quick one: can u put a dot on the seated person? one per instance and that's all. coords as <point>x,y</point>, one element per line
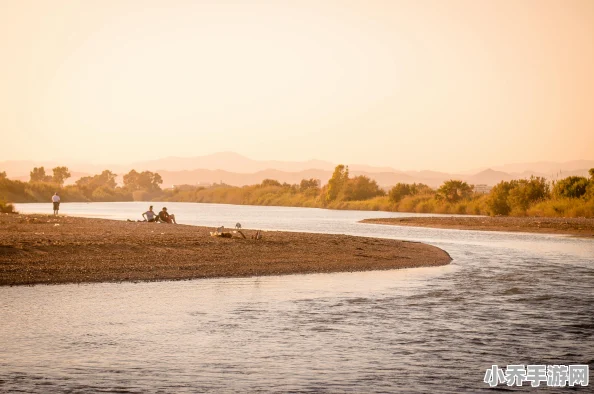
<point>165,217</point>
<point>150,215</point>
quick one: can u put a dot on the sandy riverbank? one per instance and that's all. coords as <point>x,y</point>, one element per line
<point>38,249</point>
<point>581,227</point>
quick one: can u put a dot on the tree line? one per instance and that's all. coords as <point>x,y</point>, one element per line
<point>571,196</point>
<point>100,187</point>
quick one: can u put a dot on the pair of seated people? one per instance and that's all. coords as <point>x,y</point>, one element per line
<point>163,216</point>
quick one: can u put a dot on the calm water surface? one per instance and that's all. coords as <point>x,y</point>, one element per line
<point>505,299</point>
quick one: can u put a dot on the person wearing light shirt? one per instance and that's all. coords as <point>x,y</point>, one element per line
<point>150,215</point>
<point>56,201</point>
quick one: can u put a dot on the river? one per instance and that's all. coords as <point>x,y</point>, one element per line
<point>506,298</point>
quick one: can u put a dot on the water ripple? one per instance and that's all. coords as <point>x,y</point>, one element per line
<point>505,299</point>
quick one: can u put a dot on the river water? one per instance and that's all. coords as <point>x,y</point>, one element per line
<point>506,298</point>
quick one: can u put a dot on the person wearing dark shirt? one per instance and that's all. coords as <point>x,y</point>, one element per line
<point>166,217</point>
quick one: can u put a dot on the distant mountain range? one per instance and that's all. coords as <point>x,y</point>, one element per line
<point>234,162</point>
<point>234,169</point>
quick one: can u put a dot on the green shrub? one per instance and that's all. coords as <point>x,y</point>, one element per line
<point>453,191</point>
<point>360,188</point>
<point>514,197</point>
<point>6,207</point>
<point>571,187</point>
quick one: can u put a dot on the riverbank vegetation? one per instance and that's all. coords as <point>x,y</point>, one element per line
<point>101,187</point>
<point>569,197</point>
<point>6,207</point>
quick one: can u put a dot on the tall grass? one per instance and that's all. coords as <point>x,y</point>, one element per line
<point>247,195</point>
<point>288,195</point>
<point>563,207</point>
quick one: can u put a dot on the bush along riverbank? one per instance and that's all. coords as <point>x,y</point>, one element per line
<point>569,197</point>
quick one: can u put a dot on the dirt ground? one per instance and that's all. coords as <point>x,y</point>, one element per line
<point>36,249</point>
<point>582,227</point>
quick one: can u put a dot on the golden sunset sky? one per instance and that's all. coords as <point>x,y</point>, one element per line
<point>443,84</point>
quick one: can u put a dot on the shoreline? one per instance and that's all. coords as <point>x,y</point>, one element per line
<point>43,249</point>
<point>577,227</point>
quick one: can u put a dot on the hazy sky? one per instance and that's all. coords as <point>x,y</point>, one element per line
<point>444,84</point>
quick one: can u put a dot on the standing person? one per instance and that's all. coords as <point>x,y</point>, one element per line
<point>165,217</point>
<point>56,201</point>
<point>150,215</point>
